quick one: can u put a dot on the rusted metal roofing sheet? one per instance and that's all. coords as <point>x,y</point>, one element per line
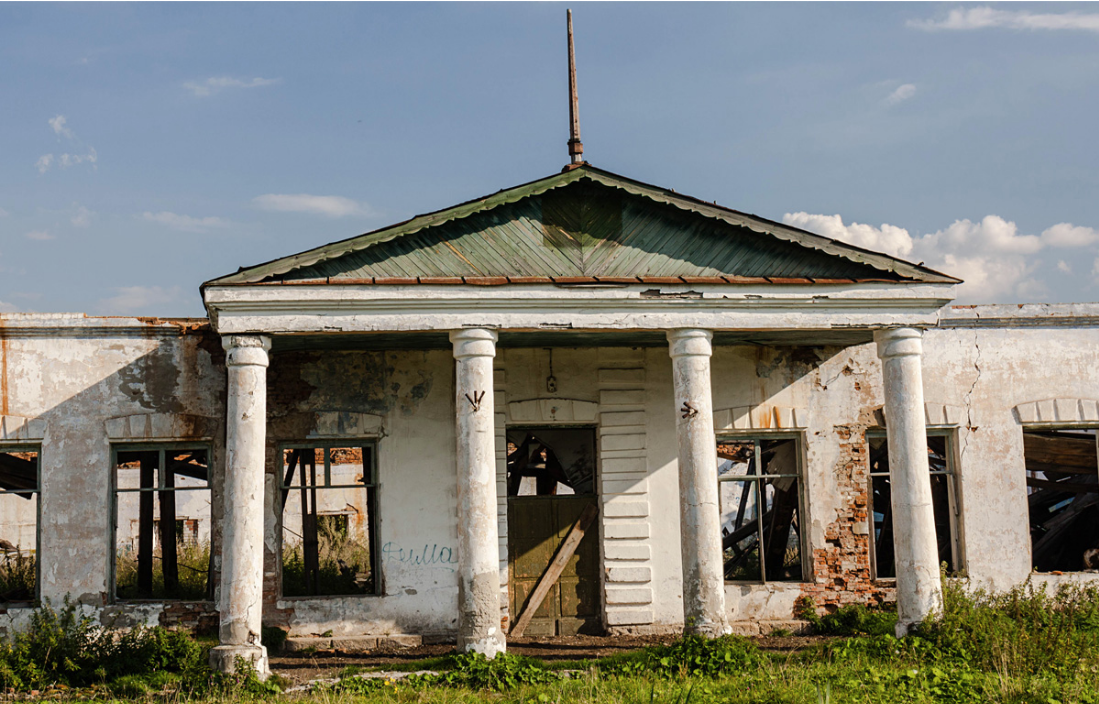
<point>586,226</point>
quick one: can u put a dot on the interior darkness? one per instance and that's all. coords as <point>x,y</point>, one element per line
<point>551,461</point>
<point>1062,480</point>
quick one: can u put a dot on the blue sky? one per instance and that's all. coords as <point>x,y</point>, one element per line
<point>147,148</point>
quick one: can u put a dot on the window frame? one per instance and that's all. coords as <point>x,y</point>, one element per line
<point>805,548</point>
<point>1038,428</point>
<point>953,493</point>
<point>162,448</point>
<point>373,502</point>
<point>36,448</point>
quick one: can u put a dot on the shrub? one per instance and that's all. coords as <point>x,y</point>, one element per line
<point>850,620</point>
<point>68,648</point>
<point>687,656</point>
<point>502,673</point>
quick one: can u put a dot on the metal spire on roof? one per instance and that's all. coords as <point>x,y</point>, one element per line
<point>576,147</point>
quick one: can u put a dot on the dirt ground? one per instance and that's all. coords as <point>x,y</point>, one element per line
<point>301,668</point>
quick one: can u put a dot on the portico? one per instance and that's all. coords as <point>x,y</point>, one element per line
<point>529,268</point>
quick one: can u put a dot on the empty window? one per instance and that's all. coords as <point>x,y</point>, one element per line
<point>329,520</point>
<point>1062,480</point>
<point>18,525</point>
<point>551,461</point>
<point>162,522</point>
<point>943,497</point>
<point>761,528</point>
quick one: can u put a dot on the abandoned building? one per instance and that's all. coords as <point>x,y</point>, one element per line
<point>580,405</point>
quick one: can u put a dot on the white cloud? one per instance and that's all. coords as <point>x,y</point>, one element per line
<point>8,307</point>
<point>217,84</point>
<point>961,19</point>
<point>888,239</point>
<point>330,206</point>
<point>1063,266</point>
<point>44,163</point>
<point>185,223</point>
<point>1065,234</point>
<point>138,299</point>
<point>991,256</point>
<point>40,235</point>
<point>82,217</point>
<point>59,128</point>
<point>902,94</point>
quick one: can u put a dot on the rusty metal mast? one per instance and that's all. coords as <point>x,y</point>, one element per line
<point>576,147</point>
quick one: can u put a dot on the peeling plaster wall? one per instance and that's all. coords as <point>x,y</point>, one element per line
<point>73,374</point>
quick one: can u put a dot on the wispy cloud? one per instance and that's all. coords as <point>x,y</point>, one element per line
<point>139,299</point>
<point>45,162</point>
<point>8,307</point>
<point>990,255</point>
<point>963,19</point>
<point>3,213</point>
<point>59,128</point>
<point>901,94</point>
<point>185,223</point>
<point>328,206</point>
<point>39,235</point>
<point>82,217</point>
<point>216,84</point>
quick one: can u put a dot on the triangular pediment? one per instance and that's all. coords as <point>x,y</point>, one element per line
<point>586,223</point>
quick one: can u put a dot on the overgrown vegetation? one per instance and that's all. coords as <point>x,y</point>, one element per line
<point>343,563</point>
<point>193,563</point>
<point>18,575</point>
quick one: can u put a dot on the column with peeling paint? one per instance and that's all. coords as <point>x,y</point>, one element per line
<point>700,518</point>
<point>241,605</point>
<point>479,628</point>
<point>916,552</point>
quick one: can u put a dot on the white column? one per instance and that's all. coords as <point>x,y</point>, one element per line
<point>700,517</point>
<point>915,549</point>
<point>241,605</point>
<point>479,627</point>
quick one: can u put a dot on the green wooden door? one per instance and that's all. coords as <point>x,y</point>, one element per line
<point>537,525</point>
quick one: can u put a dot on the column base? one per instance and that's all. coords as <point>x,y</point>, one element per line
<point>490,646</point>
<point>224,658</point>
<point>708,629</point>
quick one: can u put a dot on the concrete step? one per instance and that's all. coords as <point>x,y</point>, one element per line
<point>349,644</point>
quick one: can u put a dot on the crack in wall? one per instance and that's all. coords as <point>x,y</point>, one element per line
<point>969,395</point>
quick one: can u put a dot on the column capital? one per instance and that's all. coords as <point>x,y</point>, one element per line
<point>474,342</point>
<point>690,342</point>
<point>246,350</point>
<point>899,342</point>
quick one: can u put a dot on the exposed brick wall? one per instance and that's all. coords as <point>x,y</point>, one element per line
<point>198,617</point>
<point>841,567</point>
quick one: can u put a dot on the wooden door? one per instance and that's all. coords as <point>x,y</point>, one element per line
<point>537,525</point>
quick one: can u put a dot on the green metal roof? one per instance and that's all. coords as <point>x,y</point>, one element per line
<point>585,223</point>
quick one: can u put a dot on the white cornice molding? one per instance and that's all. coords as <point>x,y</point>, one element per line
<point>371,308</point>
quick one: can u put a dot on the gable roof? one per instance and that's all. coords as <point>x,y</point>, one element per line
<point>585,224</point>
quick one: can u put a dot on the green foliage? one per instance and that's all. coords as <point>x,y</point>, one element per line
<point>850,620</point>
<point>500,674</point>
<point>192,561</point>
<point>18,574</point>
<point>688,656</point>
<point>343,564</point>
<point>66,647</point>
<point>273,638</point>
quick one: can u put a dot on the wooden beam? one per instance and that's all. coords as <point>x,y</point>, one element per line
<point>556,567</point>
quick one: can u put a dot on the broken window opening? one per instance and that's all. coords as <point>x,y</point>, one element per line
<point>19,525</point>
<point>162,523</point>
<point>550,461</point>
<point>1062,480</point>
<point>944,500</point>
<point>761,510</point>
<point>329,520</point>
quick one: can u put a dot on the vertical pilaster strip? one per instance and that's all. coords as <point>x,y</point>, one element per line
<point>478,533</point>
<point>916,554</point>
<point>499,382</point>
<point>241,607</point>
<point>624,491</point>
<point>700,519</point>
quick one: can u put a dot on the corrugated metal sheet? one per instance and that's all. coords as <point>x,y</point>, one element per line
<point>585,223</point>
